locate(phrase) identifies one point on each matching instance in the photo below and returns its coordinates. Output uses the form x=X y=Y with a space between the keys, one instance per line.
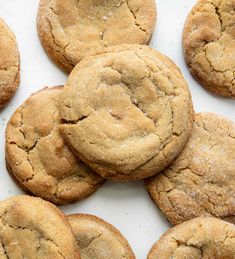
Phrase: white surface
x=127 y=206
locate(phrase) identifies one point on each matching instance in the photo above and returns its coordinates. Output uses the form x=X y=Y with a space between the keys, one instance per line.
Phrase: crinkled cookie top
x=71 y=30
x=201 y=181
x=200 y=238
x=9 y=64
x=209 y=45
x=33 y=228
x=99 y=240
x=37 y=156
x=127 y=113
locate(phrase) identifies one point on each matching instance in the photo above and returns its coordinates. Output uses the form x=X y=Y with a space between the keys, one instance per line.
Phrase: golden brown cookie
x=37 y=156
x=98 y=239
x=209 y=45
x=33 y=228
x=9 y=64
x=72 y=30
x=127 y=113
x=200 y=238
x=201 y=181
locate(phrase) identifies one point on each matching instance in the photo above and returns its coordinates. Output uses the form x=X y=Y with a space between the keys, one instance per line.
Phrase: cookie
x=209 y=47
x=37 y=156
x=201 y=181
x=128 y=113
x=200 y=238
x=9 y=64
x=92 y=26
x=33 y=228
x=98 y=239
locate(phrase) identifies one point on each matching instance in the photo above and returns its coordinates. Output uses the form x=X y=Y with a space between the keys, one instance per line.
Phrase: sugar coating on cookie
x=37 y=156
x=9 y=64
x=201 y=181
x=200 y=238
x=33 y=228
x=209 y=45
x=127 y=113
x=92 y=26
x=98 y=239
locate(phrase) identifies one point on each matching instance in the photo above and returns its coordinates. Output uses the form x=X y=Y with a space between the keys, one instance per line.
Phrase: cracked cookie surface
x=201 y=181
x=9 y=64
x=200 y=238
x=37 y=156
x=33 y=228
x=209 y=45
x=98 y=239
x=127 y=113
x=92 y=26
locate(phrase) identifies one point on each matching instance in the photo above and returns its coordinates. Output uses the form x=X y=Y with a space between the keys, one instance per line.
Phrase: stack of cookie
x=127 y=121
x=124 y=114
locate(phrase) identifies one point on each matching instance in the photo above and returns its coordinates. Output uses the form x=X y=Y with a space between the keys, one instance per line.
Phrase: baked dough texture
x=72 y=30
x=201 y=181
x=128 y=113
x=9 y=64
x=200 y=238
x=98 y=239
x=37 y=156
x=33 y=228
x=209 y=45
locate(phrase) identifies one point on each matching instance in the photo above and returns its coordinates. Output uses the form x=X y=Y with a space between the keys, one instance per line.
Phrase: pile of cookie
x=124 y=114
